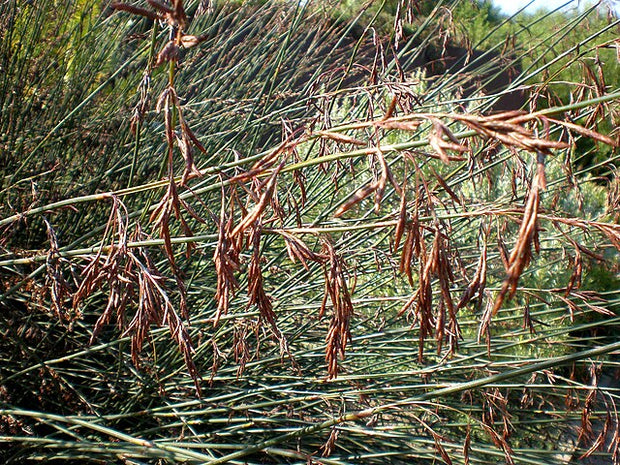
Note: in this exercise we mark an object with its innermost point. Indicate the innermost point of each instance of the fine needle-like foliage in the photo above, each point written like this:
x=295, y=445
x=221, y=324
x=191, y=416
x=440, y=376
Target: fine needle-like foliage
x=307, y=232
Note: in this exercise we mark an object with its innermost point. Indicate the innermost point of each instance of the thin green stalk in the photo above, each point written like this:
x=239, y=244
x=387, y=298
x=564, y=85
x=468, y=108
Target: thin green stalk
x=75, y=110
x=289, y=168
x=456, y=388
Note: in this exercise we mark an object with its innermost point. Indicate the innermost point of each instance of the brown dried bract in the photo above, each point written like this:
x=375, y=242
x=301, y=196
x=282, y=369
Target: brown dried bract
x=226, y=260
x=169, y=52
x=338, y=334
x=133, y=282
x=522, y=252
x=58, y=287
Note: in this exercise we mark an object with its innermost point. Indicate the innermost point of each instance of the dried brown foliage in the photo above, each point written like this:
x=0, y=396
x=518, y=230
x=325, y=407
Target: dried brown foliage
x=226, y=261
x=256, y=291
x=267, y=197
x=330, y=445
x=425, y=245
x=514, y=130
x=605, y=437
x=338, y=334
x=59, y=289
x=478, y=283
x=440, y=320
x=377, y=187
x=137, y=293
x=251, y=200
x=154, y=304
x=522, y=252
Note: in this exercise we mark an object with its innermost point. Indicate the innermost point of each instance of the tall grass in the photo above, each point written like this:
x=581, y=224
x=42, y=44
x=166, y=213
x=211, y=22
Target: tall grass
x=347, y=261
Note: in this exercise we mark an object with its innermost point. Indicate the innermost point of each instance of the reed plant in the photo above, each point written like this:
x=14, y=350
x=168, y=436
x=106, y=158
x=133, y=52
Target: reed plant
x=246, y=232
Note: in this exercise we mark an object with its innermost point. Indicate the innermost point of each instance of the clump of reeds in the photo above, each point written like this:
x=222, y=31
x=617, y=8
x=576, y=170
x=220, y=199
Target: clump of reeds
x=263, y=206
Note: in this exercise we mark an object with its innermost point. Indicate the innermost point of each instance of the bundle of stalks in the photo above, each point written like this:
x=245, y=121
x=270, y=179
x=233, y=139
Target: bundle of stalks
x=369, y=273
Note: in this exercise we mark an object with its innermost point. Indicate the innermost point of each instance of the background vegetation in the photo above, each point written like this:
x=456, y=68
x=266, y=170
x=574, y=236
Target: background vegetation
x=278, y=232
